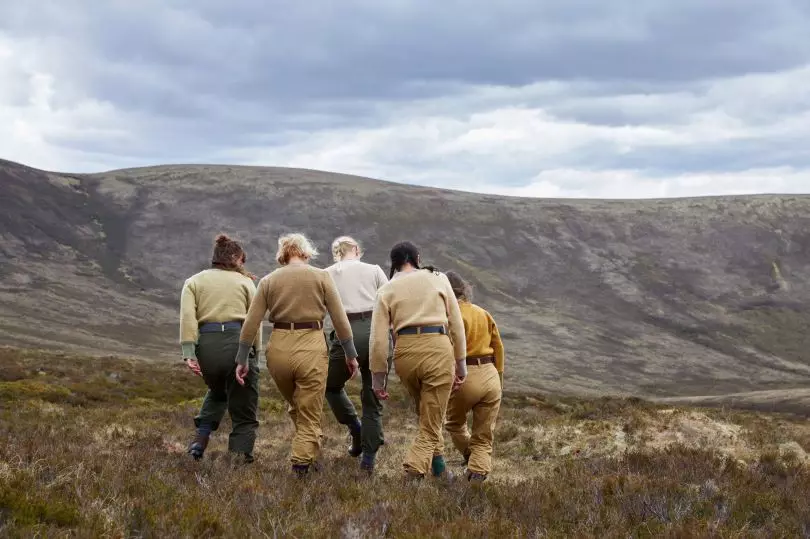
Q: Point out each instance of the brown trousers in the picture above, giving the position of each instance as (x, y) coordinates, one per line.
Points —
(481, 394)
(425, 365)
(298, 362)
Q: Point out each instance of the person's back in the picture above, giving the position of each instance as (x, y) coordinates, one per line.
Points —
(481, 393)
(217, 295)
(357, 283)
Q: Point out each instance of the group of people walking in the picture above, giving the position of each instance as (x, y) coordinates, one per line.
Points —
(328, 325)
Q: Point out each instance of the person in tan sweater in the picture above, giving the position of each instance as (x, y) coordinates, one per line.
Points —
(481, 393)
(429, 350)
(297, 296)
(213, 305)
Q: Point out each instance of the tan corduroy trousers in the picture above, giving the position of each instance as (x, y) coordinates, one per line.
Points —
(425, 365)
(298, 362)
(481, 394)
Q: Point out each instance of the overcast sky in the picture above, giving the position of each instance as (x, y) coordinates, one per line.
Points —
(549, 98)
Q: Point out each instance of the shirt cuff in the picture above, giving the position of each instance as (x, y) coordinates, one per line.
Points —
(348, 347)
(378, 380)
(243, 353)
(188, 350)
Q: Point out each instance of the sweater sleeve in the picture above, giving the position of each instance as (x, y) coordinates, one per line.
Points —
(378, 341)
(253, 322)
(496, 343)
(251, 288)
(189, 329)
(454, 321)
(381, 278)
(334, 306)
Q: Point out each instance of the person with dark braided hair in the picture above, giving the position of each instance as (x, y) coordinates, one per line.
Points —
(429, 350)
(213, 305)
(481, 394)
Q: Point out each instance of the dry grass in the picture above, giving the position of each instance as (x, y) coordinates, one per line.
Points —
(95, 447)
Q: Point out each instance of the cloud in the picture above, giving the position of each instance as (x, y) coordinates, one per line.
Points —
(559, 98)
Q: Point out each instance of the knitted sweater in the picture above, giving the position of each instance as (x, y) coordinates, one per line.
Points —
(415, 298)
(357, 283)
(213, 295)
(483, 338)
(296, 293)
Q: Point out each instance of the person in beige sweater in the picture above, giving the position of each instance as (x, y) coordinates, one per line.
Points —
(297, 296)
(429, 350)
(357, 283)
(213, 305)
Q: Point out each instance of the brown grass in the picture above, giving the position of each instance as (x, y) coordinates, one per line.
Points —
(95, 447)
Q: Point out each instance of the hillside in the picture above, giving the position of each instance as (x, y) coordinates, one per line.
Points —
(688, 298)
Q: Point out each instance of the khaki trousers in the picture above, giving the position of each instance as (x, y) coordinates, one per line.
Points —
(425, 365)
(481, 394)
(298, 362)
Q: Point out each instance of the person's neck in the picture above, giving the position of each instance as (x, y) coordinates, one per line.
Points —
(407, 268)
(297, 260)
(350, 257)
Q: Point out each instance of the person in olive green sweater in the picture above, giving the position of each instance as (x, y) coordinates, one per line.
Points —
(213, 304)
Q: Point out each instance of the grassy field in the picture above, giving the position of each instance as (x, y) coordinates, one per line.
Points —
(95, 447)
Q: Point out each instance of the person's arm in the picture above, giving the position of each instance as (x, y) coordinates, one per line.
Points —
(378, 345)
(189, 328)
(455, 321)
(343, 329)
(497, 345)
(257, 343)
(253, 322)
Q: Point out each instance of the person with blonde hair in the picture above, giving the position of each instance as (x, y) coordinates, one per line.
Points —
(429, 350)
(213, 305)
(481, 393)
(357, 283)
(297, 296)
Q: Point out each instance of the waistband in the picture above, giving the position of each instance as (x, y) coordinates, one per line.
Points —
(416, 330)
(480, 360)
(353, 317)
(297, 325)
(219, 327)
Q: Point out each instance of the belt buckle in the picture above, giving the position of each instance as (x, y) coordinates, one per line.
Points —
(222, 324)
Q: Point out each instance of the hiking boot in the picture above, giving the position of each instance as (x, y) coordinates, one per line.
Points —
(301, 470)
(367, 463)
(356, 449)
(197, 447)
(474, 477)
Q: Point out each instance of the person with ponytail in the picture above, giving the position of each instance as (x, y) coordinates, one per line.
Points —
(213, 305)
(297, 297)
(429, 351)
(481, 393)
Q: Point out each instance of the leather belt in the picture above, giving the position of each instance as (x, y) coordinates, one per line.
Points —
(219, 327)
(353, 317)
(297, 325)
(416, 330)
(480, 360)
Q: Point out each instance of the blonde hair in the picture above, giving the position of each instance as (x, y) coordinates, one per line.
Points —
(294, 245)
(342, 245)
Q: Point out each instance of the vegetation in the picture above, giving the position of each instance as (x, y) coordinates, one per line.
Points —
(95, 447)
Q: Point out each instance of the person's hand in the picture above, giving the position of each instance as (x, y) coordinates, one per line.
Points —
(461, 374)
(241, 373)
(352, 366)
(378, 385)
(193, 365)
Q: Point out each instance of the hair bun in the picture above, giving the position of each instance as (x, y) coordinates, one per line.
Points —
(222, 239)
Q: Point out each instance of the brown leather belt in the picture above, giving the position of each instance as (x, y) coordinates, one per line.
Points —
(297, 325)
(353, 317)
(480, 360)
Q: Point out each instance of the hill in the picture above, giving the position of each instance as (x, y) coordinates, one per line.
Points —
(687, 298)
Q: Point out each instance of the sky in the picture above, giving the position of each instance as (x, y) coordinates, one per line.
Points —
(541, 98)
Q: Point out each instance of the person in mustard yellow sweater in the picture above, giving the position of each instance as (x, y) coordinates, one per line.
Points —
(429, 350)
(481, 394)
(213, 305)
(297, 297)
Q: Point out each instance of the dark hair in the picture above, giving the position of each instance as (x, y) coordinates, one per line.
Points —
(461, 288)
(226, 252)
(403, 253)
